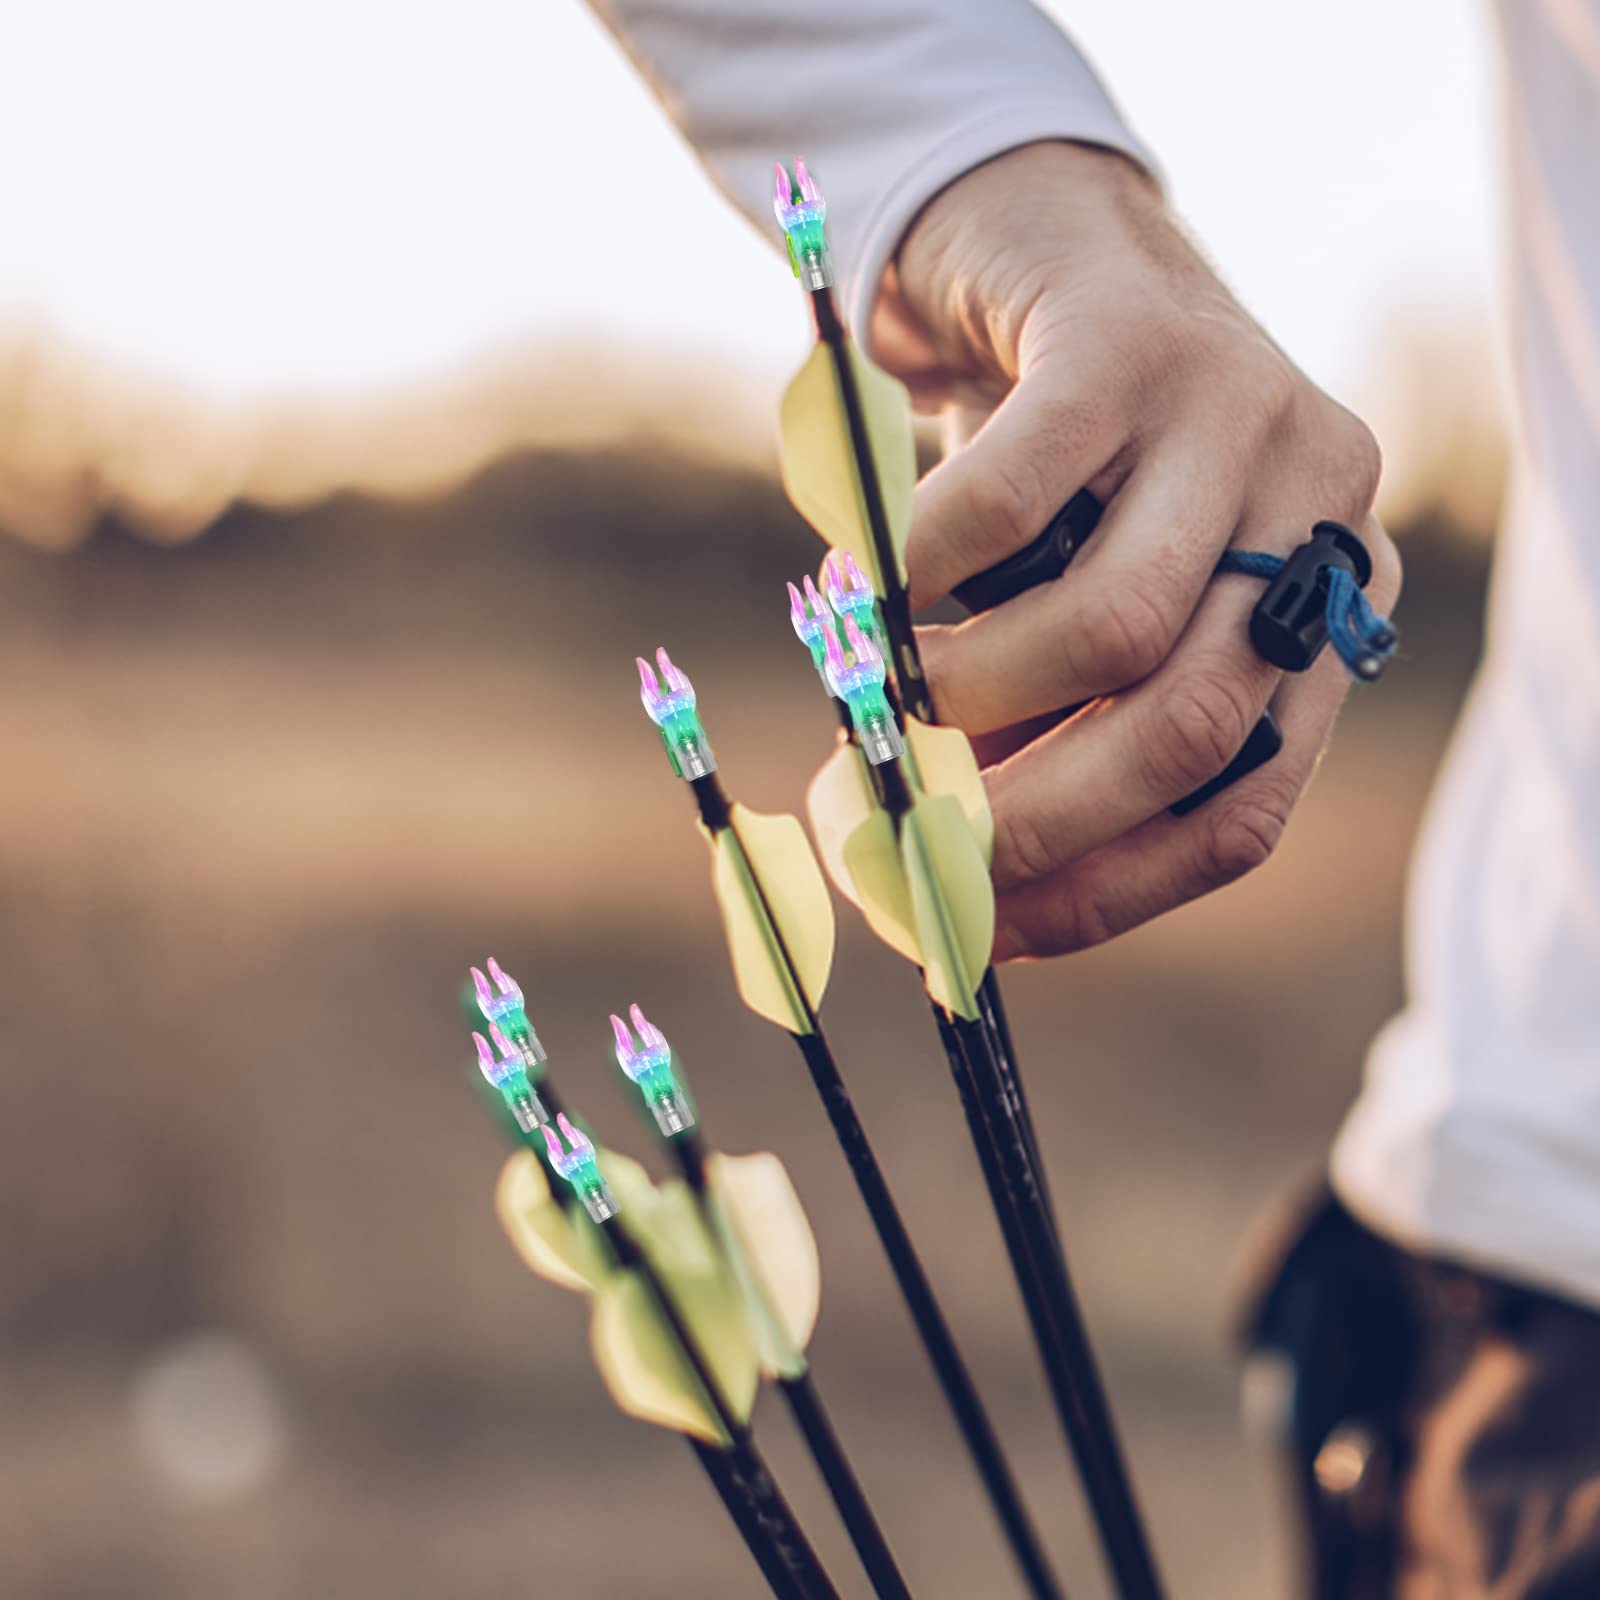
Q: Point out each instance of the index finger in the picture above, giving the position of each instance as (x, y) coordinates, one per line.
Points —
(1046, 440)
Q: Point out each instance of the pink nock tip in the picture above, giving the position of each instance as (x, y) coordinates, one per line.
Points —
(816, 602)
(647, 679)
(624, 1039)
(797, 606)
(670, 675)
(487, 1064)
(807, 185)
(558, 1156)
(649, 1034)
(854, 573)
(503, 1044)
(485, 993)
(781, 190)
(865, 649)
(578, 1142)
(830, 643)
(507, 985)
(830, 580)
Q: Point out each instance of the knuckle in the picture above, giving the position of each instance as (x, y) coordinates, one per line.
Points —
(1119, 639)
(1079, 920)
(1363, 461)
(1200, 724)
(1246, 831)
(1002, 506)
(1022, 846)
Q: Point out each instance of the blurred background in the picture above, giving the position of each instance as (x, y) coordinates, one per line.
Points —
(356, 428)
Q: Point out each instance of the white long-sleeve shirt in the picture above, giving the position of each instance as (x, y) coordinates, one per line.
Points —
(1478, 1134)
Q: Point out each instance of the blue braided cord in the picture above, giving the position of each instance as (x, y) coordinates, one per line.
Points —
(1363, 639)
(1250, 564)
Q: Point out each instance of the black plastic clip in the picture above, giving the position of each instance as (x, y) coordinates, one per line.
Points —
(1289, 625)
(1043, 561)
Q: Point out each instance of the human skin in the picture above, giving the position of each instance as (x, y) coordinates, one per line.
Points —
(1051, 295)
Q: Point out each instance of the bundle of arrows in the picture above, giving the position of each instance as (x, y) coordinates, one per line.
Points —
(705, 1285)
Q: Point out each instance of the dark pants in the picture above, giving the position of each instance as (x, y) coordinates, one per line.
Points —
(1441, 1428)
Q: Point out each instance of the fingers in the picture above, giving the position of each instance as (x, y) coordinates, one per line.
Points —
(1162, 861)
(1110, 620)
(1126, 758)
(1167, 860)
(1044, 442)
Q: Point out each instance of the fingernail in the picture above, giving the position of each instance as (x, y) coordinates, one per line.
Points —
(1009, 943)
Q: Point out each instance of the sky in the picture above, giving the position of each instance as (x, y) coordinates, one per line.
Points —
(264, 198)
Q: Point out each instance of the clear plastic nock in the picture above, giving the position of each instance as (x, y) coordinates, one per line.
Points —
(576, 1163)
(650, 1066)
(503, 1067)
(802, 214)
(810, 618)
(502, 1004)
(858, 681)
(670, 702)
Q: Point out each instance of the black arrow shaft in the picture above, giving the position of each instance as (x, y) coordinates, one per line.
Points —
(757, 1506)
(1014, 1179)
(816, 1427)
(1002, 1128)
(766, 1508)
(745, 1516)
(895, 601)
(955, 1381)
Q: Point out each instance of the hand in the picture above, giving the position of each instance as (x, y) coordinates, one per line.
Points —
(1051, 292)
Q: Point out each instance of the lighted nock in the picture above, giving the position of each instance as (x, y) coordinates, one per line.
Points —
(670, 702)
(802, 212)
(650, 1066)
(502, 1004)
(503, 1067)
(810, 618)
(578, 1166)
(858, 681)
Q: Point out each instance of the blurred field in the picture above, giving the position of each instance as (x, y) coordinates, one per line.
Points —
(268, 794)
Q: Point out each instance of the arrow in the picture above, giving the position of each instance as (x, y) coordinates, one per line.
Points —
(752, 1210)
(778, 921)
(901, 845)
(669, 1327)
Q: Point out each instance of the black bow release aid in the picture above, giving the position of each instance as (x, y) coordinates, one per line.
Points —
(1049, 556)
(1289, 625)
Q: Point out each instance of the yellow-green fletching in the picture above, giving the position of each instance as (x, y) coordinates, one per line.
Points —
(634, 1349)
(774, 851)
(952, 897)
(819, 466)
(772, 1239)
(541, 1228)
(946, 763)
(875, 870)
(926, 893)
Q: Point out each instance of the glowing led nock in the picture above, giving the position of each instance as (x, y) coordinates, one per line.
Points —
(810, 618)
(851, 595)
(860, 685)
(802, 212)
(502, 1004)
(503, 1067)
(650, 1067)
(670, 703)
(578, 1166)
